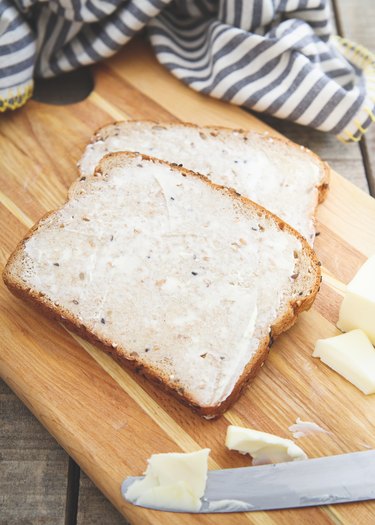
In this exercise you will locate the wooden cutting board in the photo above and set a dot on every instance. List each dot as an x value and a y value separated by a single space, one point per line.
110 420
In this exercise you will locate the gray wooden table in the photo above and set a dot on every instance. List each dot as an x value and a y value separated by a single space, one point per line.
39 483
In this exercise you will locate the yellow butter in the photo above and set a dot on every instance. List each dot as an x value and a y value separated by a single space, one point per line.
173 481
351 355
358 306
174 496
263 448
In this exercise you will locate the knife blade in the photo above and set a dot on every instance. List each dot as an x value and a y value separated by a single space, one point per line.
323 481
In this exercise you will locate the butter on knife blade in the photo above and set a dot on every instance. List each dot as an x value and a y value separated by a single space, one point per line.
172 480
323 481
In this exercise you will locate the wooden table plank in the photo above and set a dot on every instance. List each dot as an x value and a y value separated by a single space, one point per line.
94 508
357 22
33 467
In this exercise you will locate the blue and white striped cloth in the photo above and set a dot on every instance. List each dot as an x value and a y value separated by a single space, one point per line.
273 56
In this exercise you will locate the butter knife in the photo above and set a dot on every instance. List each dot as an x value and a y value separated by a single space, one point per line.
324 481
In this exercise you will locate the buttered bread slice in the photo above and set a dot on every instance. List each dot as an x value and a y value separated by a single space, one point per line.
285 178
183 279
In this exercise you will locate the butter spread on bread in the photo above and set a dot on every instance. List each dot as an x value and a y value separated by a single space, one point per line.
285 178
183 279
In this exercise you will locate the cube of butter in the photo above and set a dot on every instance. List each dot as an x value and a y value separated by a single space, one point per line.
358 306
351 355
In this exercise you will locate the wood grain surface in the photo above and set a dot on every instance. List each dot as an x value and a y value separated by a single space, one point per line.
69 385
29 458
356 21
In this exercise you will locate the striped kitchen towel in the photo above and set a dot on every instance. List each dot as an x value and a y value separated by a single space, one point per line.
273 56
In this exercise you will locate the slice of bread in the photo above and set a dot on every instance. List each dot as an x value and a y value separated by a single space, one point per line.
183 279
285 178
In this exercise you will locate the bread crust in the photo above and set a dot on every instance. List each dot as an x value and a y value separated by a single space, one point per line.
73 323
